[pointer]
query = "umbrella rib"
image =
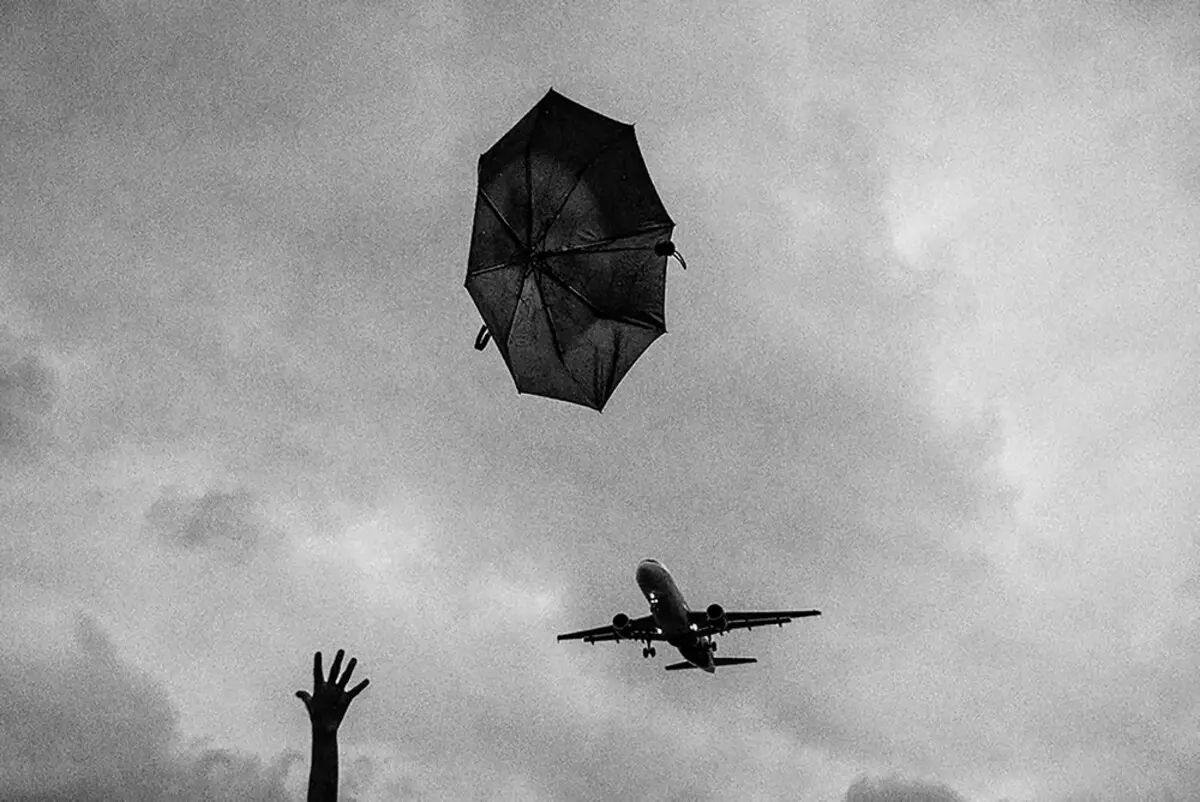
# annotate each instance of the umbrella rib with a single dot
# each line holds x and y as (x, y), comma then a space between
(512, 232)
(544, 268)
(592, 307)
(498, 266)
(550, 325)
(517, 306)
(529, 186)
(598, 246)
(578, 179)
(550, 320)
(641, 324)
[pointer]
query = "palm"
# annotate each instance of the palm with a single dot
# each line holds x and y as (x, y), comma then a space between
(329, 699)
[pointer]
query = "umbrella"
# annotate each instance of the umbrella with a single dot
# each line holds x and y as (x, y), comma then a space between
(568, 252)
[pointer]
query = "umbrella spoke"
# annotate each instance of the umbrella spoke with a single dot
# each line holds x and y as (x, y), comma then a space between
(503, 220)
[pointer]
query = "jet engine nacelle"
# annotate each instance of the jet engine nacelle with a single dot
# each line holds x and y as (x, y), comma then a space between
(621, 623)
(716, 616)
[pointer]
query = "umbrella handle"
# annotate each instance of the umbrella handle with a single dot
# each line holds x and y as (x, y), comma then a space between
(482, 338)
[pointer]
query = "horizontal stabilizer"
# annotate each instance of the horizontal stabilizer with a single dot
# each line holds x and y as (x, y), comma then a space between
(680, 666)
(717, 661)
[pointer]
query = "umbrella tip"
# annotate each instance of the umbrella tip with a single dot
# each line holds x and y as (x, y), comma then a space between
(668, 249)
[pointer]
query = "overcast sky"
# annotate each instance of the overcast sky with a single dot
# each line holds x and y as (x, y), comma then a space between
(934, 369)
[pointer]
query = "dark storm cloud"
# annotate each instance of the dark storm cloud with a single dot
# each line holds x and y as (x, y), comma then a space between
(87, 727)
(227, 522)
(895, 789)
(28, 389)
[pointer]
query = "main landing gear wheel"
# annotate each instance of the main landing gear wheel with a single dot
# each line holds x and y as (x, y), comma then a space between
(648, 651)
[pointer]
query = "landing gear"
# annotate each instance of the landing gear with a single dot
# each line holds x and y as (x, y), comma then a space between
(648, 651)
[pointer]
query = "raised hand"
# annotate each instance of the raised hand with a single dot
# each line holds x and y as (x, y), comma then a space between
(329, 700)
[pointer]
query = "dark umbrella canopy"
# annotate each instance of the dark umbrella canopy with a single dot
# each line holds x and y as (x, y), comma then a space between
(568, 253)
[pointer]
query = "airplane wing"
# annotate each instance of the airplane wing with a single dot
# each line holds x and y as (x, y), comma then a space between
(734, 620)
(642, 629)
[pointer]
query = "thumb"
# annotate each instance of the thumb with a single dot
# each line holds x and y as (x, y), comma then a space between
(304, 696)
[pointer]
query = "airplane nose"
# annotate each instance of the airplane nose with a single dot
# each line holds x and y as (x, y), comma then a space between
(648, 572)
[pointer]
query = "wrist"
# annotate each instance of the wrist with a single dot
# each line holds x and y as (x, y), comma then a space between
(325, 731)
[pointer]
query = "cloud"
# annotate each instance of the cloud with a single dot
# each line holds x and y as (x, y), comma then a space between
(86, 726)
(28, 390)
(896, 789)
(82, 724)
(228, 523)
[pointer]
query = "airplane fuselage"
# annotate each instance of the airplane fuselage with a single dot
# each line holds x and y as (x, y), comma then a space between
(671, 615)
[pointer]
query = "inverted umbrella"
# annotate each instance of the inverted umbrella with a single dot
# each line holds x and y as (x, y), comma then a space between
(568, 252)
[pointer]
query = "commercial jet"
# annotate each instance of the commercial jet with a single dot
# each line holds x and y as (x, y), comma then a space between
(670, 620)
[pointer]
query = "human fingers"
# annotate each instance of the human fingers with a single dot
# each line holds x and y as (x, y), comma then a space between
(349, 670)
(317, 679)
(337, 665)
(358, 688)
(304, 696)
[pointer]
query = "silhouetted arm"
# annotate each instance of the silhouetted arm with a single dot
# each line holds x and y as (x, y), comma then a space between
(327, 705)
(323, 773)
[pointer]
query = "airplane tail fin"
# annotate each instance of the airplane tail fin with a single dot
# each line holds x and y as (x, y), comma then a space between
(717, 661)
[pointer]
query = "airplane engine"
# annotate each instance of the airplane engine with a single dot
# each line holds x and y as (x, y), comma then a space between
(716, 616)
(621, 623)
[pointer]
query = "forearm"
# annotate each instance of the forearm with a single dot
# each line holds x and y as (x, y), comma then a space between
(323, 774)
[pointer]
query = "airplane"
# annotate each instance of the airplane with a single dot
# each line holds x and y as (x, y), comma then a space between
(670, 620)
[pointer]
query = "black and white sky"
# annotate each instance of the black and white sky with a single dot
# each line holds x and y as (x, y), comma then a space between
(934, 368)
